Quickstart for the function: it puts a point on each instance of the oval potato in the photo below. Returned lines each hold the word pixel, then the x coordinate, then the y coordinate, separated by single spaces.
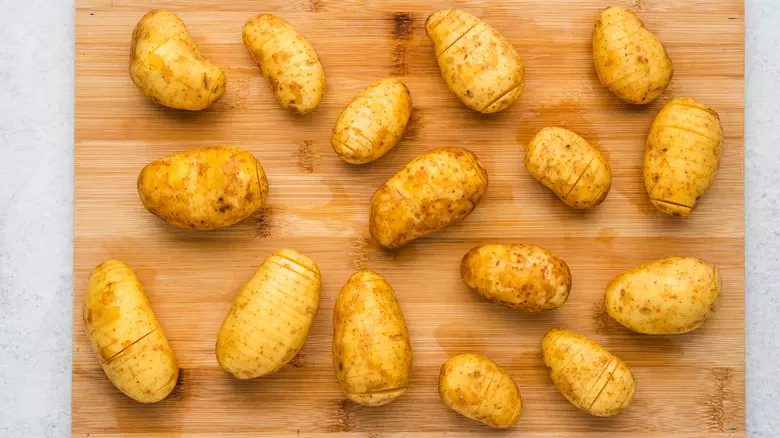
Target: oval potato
pixel 478 64
pixel 271 316
pixel 630 61
pixel 589 376
pixel 288 62
pixel 373 122
pixel 167 67
pixel 477 388
pixel 578 173
pixel 669 296
pixel 125 335
pixel 521 277
pixel 433 191
pixel 204 188
pixel 682 155
pixel 371 351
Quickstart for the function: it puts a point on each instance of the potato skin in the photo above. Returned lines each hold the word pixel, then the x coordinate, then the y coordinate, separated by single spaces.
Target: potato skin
pixel 478 64
pixel 167 67
pixel 630 61
pixel 433 191
pixel 204 188
pixel 668 296
pixel 125 335
pixel 589 376
pixel 287 61
pixel 373 122
pixel 523 277
pixel 271 316
pixel 682 155
pixel 372 355
pixel 477 388
pixel 578 173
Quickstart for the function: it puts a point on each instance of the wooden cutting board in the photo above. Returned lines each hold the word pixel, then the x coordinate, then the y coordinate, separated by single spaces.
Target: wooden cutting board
pixel 690 385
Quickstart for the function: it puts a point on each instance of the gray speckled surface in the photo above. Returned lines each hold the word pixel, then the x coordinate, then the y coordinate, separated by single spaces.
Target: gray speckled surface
pixel 36 216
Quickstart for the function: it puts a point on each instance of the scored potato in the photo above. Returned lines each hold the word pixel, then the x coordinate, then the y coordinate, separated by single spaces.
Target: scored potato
pixel 477 388
pixel 371 351
pixel 125 335
pixel 373 122
pixel 271 316
pixel 288 62
pixel 578 173
pixel 630 61
pixel 682 155
pixel 433 191
pixel 167 67
pixel 478 64
pixel 204 188
pixel 521 277
pixel 589 376
pixel 668 296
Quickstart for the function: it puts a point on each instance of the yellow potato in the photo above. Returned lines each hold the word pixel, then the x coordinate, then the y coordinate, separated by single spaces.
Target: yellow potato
pixel 630 61
pixel 204 188
pixel 271 316
pixel 287 61
pixel 589 376
pixel 373 122
pixel 433 191
pixel 371 351
pixel 668 296
pixel 125 335
pixel 477 388
pixel 578 173
pixel 682 155
pixel 478 64
pixel 167 67
pixel 521 277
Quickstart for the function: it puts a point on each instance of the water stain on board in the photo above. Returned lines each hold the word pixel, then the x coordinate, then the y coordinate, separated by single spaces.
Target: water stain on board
pixel 567 113
pixel 606 236
pixel 454 339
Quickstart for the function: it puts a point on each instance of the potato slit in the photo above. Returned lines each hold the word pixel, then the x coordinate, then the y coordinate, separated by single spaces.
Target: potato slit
pixel 497 98
pixel 239 327
pixel 692 131
pixel 360 133
pixel 459 38
pixel 151 52
pixel 672 203
pixel 644 69
pixel 696 107
pixel 587 393
pixel 609 379
pixel 317 274
pixel 381 391
pixel 107 361
pixel 580 177
pixel 572 356
pixel 287 268
pixel 485 394
pixel 442 20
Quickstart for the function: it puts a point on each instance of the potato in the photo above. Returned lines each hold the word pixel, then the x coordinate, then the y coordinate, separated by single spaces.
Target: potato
pixel 125 335
pixel 665 297
pixel 588 375
pixel 630 61
pixel 167 67
pixel 682 155
pixel 521 277
pixel 578 173
pixel 478 64
pixel 287 61
pixel 371 351
pixel 270 317
pixel 477 388
pixel 204 188
pixel 373 122
pixel 433 191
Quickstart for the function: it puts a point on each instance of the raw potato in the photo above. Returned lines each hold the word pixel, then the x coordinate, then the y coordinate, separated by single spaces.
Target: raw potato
pixel 578 173
pixel 682 155
pixel 630 61
pixel 477 388
pixel 521 277
pixel 167 67
pixel 433 191
pixel 125 335
pixel 373 122
pixel 371 351
pixel 588 375
pixel 204 188
pixel 287 61
pixel 478 64
pixel 668 296
pixel 271 316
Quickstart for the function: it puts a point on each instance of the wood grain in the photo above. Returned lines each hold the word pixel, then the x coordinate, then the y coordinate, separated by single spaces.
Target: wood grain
pixel 690 385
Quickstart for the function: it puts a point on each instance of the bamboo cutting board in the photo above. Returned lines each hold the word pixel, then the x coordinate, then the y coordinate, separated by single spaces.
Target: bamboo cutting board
pixel 690 385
